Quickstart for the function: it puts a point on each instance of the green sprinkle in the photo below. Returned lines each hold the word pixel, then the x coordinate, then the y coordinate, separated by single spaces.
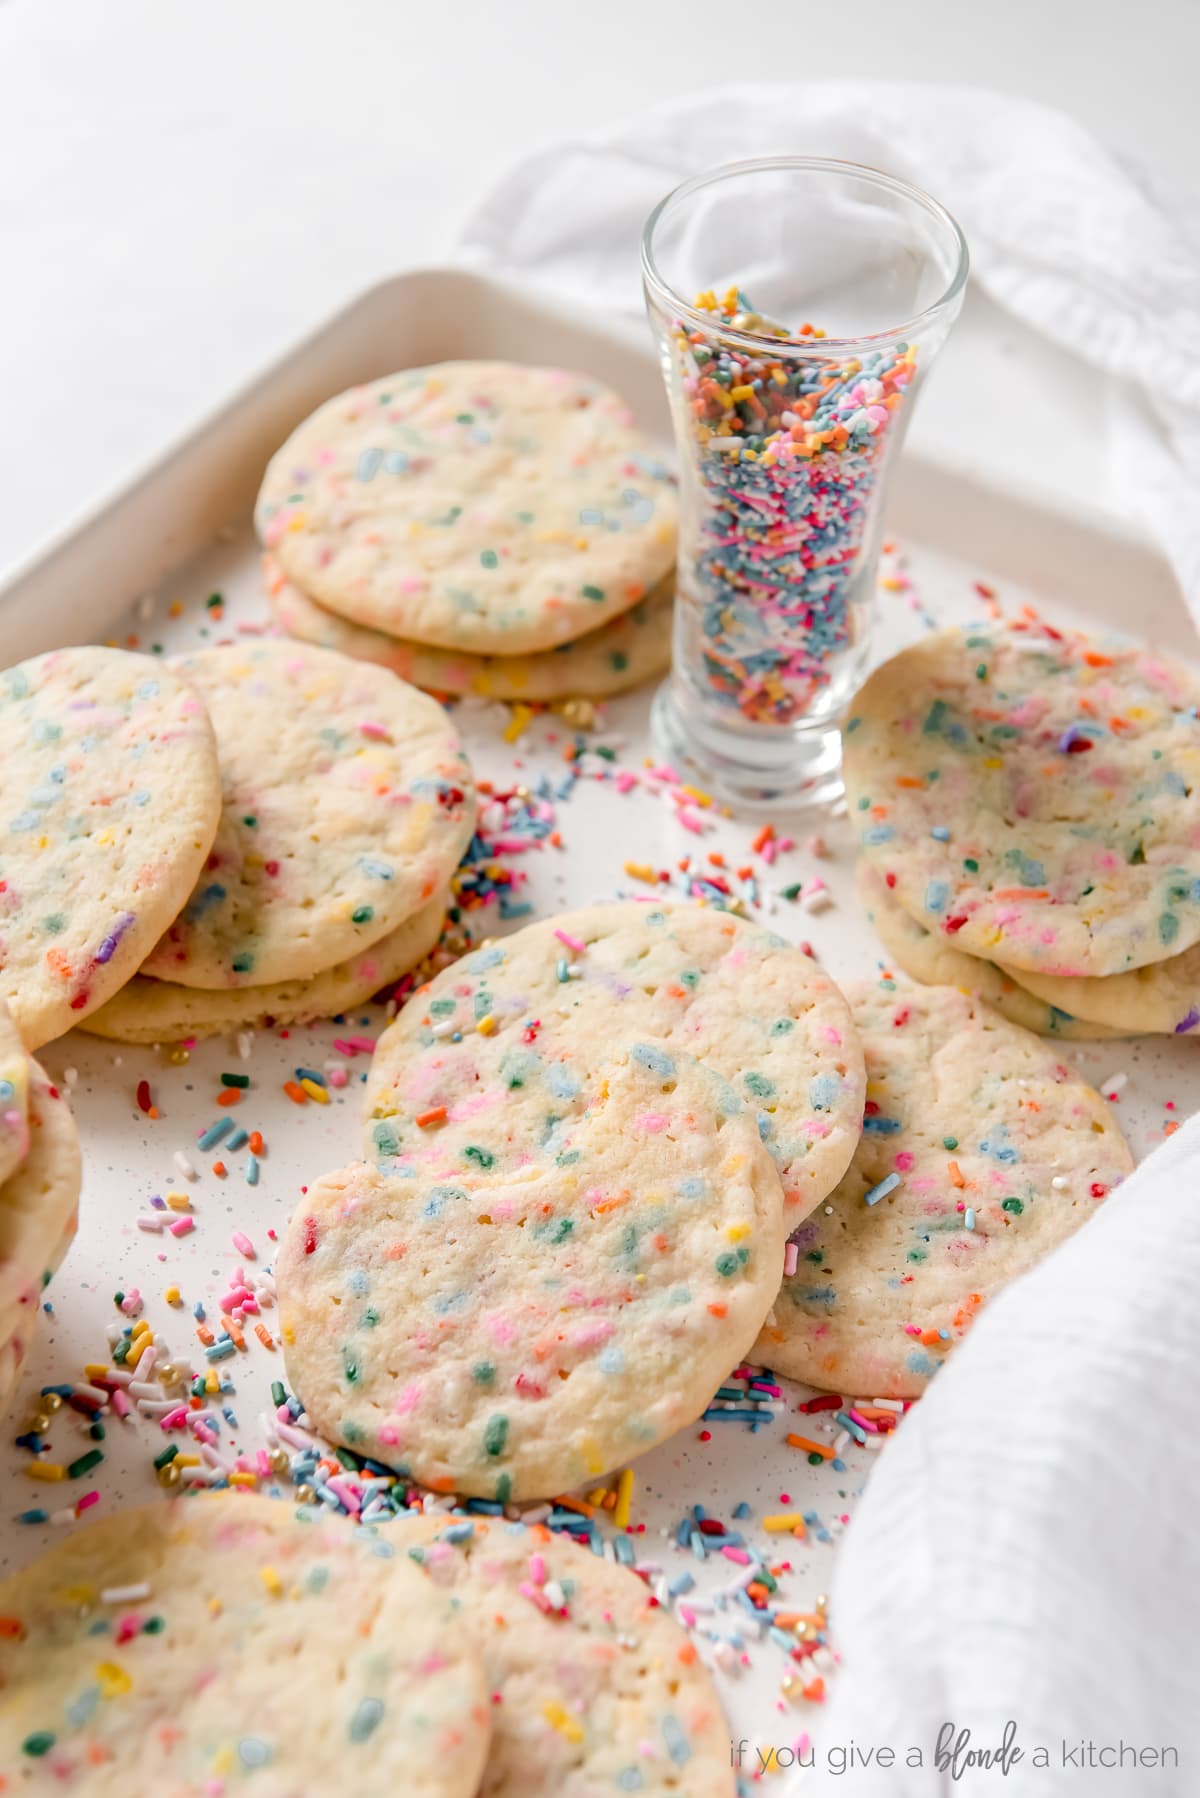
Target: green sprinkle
pixel 239 1080
pixel 250 821
pixel 278 1395
pixel 759 1085
pixel 85 1463
pixel 39 1743
pixel 483 1373
pixel 55 924
pixel 726 1264
pixel 483 1157
pixel 362 914
pixel 970 864
pixel 154 1626
pixel 243 963
pixel 496 1434
pixel 369 1318
pixel 793 892
pixel 97 1431
pixel 489 558
pixel 386 1139
pixel 949 1142
pixel 1013 1205
pixel 352 1365
pixel 504 1488
pixel 365 1719
pixel 168 1454
pixel 981 671
pixel 592 592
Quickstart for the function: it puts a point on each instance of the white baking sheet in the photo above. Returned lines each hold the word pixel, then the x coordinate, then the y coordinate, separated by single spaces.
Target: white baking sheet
pixel 957 536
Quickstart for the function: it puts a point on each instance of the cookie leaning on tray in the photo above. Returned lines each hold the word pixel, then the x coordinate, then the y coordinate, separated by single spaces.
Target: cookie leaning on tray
pixel 489 511
pixel 587 1144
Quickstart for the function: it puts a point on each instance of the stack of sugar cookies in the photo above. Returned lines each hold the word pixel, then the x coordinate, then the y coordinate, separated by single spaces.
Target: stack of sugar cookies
pixel 39 1192
pixel 1026 804
pixel 447 1657
pixel 477 528
pixel 586 1147
pixel 345 805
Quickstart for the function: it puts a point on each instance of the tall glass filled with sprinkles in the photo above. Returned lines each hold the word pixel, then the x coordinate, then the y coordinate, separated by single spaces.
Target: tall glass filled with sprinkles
pixel 798 304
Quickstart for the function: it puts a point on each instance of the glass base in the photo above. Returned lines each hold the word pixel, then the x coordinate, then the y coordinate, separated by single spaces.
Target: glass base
pixel 755 767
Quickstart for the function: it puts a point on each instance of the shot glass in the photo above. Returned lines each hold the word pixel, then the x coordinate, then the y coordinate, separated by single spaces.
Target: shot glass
pixel 798 303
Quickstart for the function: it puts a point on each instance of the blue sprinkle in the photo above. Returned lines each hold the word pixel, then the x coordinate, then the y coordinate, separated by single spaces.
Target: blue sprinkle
pixel 881 1189
pixel 936 895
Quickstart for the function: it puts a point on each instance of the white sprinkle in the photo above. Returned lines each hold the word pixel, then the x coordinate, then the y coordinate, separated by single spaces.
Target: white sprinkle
pixel 1110 1087
pixel 125 1594
pixel 555 1594
pixel 152 1221
pixel 200 1476
pixel 1060 1182
pixel 69 1077
pixel 245 1042
pixel 143 1388
pixel 65 1516
pixel 184 1165
pixel 157 1407
pixel 889 1404
pixel 840 1441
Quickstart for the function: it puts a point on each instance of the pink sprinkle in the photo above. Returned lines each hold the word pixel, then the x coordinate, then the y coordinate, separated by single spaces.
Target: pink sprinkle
pixel 243 1245
pixel 263 1463
pixel 87 1501
pixel 337 1076
pixel 736 1554
pixel 120 1403
pixel 687 1616
pixel 625 781
pixel 572 942
pixel 791 1255
pixel 378 732
pixel 537 1570
pixel 690 821
pixel 864 1423
pixel 535 1596
pixel 131 1304
pixel 180 1227
pixel 174 1420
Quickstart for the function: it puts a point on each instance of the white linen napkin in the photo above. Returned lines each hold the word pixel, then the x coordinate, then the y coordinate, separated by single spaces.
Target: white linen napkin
pixel 1060 234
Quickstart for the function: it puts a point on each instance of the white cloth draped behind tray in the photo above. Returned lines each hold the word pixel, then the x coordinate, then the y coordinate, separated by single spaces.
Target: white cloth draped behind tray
pixel 1027 1548
pixel 1060 234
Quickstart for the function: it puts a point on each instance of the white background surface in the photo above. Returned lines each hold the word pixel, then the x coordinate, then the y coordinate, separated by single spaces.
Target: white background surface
pixel 184 190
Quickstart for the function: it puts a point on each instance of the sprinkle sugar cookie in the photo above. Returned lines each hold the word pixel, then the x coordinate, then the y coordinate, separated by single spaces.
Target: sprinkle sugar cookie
pixel 347 804
pixel 498 1044
pixel 511 1330
pixel 1160 999
pixel 37 1223
pixel 1034 795
pixel 980 1152
pixel 621 654
pixel 157 1011
pixel 114 796
pixel 204 1645
pixel 476 506
pixel 598 1688
pixel 14 1097
pixel 925 956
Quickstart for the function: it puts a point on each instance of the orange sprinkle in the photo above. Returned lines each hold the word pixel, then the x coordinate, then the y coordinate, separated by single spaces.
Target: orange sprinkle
pixel 235 1330
pixel 909 780
pixel 1094 659
pixel 205 1334
pixel 12 1627
pixel 264 1336
pixel 256 1142
pixel 930 1338
pixel 219 1169
pixel 229 1095
pixel 955 1173
pixel 575 1504
pixel 717 1309
pixel 295 1093
pixel 435 1115
pixel 810 1447
pixel 1021 893
pixel 687 1653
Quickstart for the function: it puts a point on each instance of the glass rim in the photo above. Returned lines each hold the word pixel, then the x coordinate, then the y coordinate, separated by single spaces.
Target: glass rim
pixel 878 178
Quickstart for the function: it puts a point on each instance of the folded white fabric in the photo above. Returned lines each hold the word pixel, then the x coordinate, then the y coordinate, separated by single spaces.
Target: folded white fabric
pixel 1060 234
pixel 1026 1557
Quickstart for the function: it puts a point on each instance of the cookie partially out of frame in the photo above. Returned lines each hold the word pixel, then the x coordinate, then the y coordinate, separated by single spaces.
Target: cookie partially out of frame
pixel 1033 795
pixel 226 1643
pixel 38 1215
pixel 596 1687
pixel 479 506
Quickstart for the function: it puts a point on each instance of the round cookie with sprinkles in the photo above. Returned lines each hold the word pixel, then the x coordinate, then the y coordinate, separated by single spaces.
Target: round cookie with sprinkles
pixel 38 1214
pixel 14 1097
pixel 480 1064
pixel 981 1151
pixel 597 1689
pixel 934 961
pixel 347 804
pixel 1160 999
pixel 157 1011
pixel 475 506
pixel 619 655
pixel 113 799
pixel 511 1330
pixel 198 1646
pixel 1032 793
